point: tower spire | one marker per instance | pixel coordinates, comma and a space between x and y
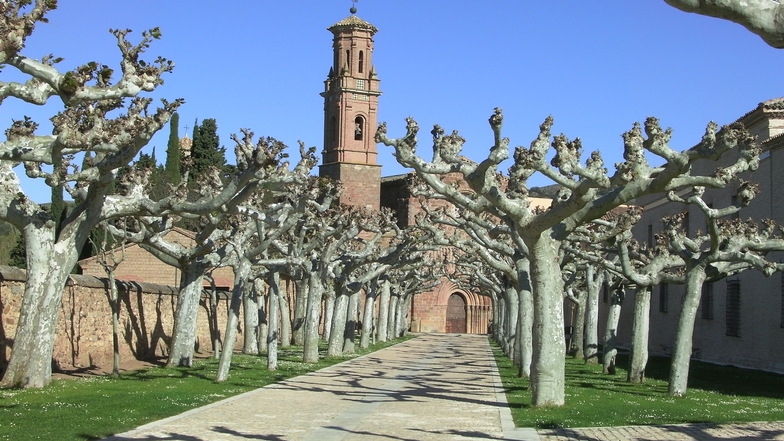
353, 9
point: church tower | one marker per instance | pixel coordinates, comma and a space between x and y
350, 114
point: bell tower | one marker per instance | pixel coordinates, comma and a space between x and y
350, 114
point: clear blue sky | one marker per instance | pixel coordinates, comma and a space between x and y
595, 66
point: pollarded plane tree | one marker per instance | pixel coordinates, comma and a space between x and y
725, 248
259, 166
594, 247
589, 193
501, 249
314, 247
262, 220
102, 127
762, 17
380, 248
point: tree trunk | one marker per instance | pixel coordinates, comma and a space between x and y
548, 368
250, 332
338, 327
241, 273
525, 322
114, 303
368, 317
329, 310
578, 330
274, 303
285, 317
300, 311
392, 322
183, 342
681, 353
383, 311
351, 323
214, 325
311, 338
30, 364
262, 310
498, 316
638, 356
611, 331
512, 303
593, 287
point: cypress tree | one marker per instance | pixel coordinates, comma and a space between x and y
173, 152
206, 151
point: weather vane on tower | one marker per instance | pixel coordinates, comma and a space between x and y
353, 9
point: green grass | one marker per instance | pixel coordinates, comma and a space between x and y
717, 394
96, 407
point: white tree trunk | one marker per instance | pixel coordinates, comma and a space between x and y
681, 352
512, 315
525, 324
593, 287
250, 332
338, 327
578, 332
183, 342
300, 311
351, 323
312, 317
285, 317
30, 364
393, 317
368, 317
638, 356
329, 310
241, 273
611, 331
548, 368
383, 311
272, 338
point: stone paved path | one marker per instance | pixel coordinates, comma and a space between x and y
435, 387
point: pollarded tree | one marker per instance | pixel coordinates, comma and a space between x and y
725, 248
93, 125
762, 17
588, 193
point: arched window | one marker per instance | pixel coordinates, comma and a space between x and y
361, 61
359, 128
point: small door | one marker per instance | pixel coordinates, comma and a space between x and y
456, 314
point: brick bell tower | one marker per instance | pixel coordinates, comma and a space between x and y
351, 114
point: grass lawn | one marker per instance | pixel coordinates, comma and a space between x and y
96, 407
717, 394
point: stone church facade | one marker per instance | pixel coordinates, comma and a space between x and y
351, 99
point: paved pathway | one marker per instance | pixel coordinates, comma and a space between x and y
435, 387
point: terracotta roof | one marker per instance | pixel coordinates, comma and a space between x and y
772, 105
353, 22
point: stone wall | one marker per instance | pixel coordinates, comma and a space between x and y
84, 326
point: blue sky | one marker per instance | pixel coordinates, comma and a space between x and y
595, 66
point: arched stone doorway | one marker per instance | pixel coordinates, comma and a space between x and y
456, 316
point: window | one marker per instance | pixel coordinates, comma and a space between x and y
361, 61
664, 297
359, 128
361, 84
706, 302
733, 308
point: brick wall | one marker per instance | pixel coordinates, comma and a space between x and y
84, 328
